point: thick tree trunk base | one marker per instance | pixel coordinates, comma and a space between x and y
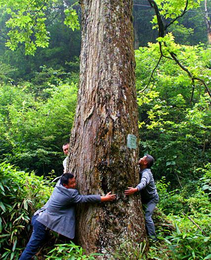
106, 116
111, 225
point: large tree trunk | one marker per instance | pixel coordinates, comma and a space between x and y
106, 114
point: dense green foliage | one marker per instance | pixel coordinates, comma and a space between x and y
26, 21
189, 209
20, 195
63, 42
69, 252
35, 125
188, 29
175, 116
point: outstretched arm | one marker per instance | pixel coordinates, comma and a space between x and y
144, 182
108, 197
77, 198
131, 191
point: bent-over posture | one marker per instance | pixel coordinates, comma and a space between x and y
58, 214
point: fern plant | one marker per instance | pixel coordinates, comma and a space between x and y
21, 194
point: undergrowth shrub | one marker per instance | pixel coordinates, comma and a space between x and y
21, 194
193, 197
192, 244
190, 210
130, 250
69, 251
170, 201
205, 181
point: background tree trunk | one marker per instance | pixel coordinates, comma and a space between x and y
207, 21
105, 115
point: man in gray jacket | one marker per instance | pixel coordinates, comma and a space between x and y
149, 195
58, 214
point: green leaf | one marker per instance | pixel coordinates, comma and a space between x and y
14, 244
2, 206
2, 187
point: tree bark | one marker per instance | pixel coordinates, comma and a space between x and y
106, 113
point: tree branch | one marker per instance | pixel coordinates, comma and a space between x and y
161, 28
161, 33
175, 19
152, 72
194, 223
189, 73
205, 85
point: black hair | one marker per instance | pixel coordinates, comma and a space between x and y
65, 178
65, 144
150, 160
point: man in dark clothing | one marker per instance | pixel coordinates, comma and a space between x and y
149, 195
58, 214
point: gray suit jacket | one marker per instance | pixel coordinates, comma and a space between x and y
58, 214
